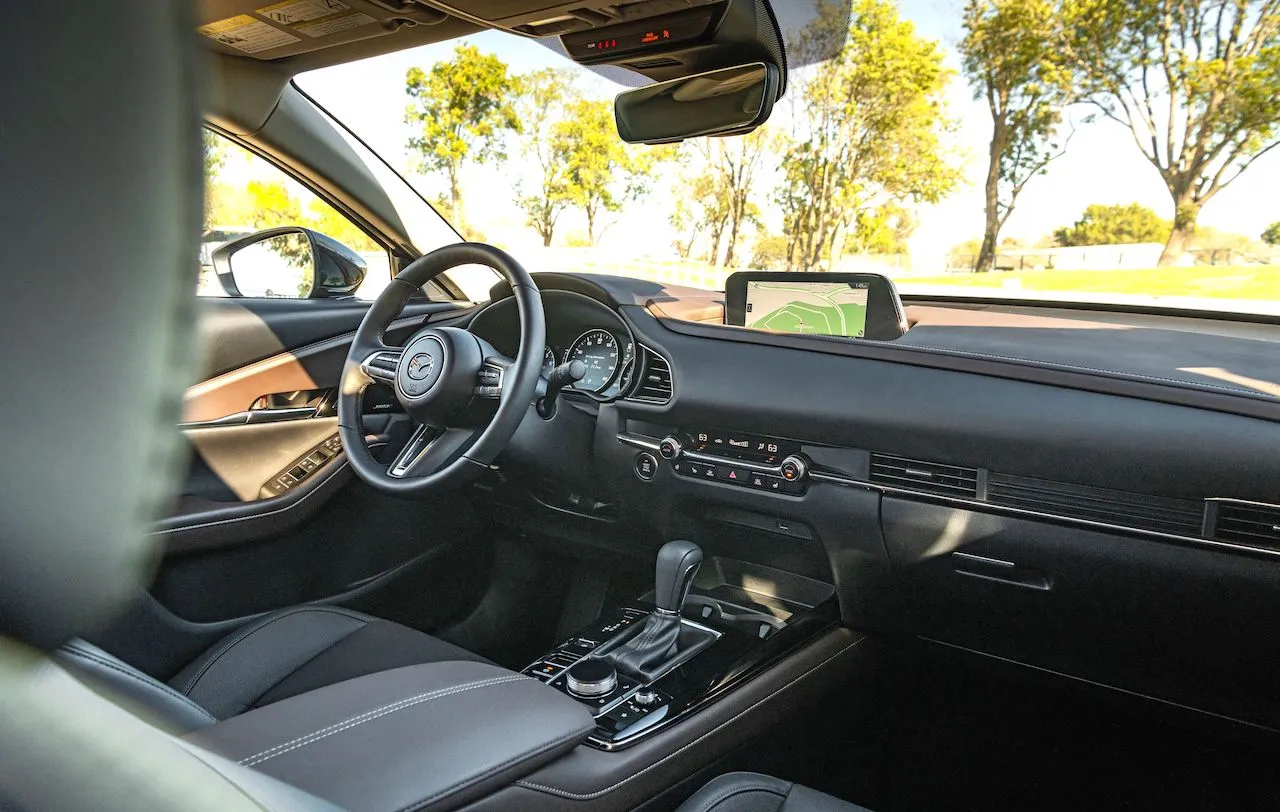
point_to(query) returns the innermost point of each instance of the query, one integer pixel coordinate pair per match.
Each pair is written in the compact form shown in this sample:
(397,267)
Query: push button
(545,670)
(731,473)
(646,466)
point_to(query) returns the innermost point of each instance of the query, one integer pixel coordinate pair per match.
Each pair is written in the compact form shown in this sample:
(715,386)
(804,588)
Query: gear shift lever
(678,563)
(658,641)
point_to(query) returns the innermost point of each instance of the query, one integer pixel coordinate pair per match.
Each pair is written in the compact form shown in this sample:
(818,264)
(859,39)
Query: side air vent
(928,477)
(1096,504)
(1252,523)
(655,382)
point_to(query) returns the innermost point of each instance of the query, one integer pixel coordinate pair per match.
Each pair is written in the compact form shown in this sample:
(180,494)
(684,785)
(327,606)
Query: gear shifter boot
(656,645)
(658,642)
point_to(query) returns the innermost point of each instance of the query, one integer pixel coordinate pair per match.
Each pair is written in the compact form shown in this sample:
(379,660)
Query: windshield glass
(1115,151)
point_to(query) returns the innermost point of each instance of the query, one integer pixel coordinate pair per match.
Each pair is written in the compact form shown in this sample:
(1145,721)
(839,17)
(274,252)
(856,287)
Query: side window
(244,194)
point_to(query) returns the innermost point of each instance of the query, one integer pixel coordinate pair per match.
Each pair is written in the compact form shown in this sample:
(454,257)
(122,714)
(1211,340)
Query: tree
(769,252)
(1195,84)
(1271,234)
(543,96)
(1114,225)
(215,157)
(600,172)
(871,122)
(461,110)
(1012,57)
(729,175)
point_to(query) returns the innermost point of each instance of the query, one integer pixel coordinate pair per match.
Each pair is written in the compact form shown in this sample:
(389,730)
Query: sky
(1102,164)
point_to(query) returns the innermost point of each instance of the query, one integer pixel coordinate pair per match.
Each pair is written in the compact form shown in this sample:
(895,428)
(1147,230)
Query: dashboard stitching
(581,796)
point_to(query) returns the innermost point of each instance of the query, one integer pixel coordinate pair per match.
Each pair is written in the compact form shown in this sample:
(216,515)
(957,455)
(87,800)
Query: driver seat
(283,654)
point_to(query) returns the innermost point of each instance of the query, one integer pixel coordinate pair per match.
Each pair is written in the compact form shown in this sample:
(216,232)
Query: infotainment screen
(829,304)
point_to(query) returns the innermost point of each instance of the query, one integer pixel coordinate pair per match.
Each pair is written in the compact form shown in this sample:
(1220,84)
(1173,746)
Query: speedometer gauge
(598,349)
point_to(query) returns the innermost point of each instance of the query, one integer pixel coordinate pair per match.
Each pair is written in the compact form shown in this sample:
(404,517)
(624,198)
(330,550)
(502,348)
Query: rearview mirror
(288,263)
(720,102)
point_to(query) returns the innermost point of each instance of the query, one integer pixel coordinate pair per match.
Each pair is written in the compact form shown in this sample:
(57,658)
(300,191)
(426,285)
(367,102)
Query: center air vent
(927,477)
(655,382)
(1252,523)
(1096,504)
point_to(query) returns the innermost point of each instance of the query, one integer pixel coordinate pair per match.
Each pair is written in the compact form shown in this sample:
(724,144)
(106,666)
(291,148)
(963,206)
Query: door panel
(236,545)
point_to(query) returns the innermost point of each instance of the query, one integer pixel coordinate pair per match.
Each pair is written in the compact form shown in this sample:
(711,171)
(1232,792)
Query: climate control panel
(747,460)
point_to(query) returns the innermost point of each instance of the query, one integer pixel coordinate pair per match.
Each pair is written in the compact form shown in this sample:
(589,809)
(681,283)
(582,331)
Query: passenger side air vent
(928,477)
(1252,523)
(655,383)
(1096,504)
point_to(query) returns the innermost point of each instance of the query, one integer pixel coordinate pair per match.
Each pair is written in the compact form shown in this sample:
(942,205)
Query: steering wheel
(446,378)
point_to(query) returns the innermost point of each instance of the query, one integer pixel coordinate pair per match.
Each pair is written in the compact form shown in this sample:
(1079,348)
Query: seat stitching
(514,760)
(587,796)
(369,716)
(739,789)
(155,686)
(259,626)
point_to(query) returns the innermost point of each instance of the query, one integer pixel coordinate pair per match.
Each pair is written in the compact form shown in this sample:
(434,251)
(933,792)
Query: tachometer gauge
(548,361)
(598,349)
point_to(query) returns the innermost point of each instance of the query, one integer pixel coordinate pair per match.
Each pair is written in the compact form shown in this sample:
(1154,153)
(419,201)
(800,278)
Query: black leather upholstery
(278,656)
(752,792)
(300,649)
(151,698)
(423,737)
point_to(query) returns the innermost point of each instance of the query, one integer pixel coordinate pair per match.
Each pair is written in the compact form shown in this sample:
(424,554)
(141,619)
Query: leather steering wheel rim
(450,364)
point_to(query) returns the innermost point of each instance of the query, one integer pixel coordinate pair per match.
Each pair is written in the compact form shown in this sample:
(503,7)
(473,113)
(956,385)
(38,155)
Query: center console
(704,630)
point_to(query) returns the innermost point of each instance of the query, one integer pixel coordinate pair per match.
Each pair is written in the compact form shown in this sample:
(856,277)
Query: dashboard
(1077,492)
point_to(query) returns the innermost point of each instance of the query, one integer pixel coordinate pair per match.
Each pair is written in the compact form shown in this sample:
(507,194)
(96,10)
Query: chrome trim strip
(982,559)
(989,507)
(413,451)
(636,441)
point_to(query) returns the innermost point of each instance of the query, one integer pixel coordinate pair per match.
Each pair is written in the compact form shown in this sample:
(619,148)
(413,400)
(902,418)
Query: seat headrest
(99,229)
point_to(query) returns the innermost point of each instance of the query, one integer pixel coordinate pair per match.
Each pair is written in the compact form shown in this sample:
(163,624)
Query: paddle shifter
(658,642)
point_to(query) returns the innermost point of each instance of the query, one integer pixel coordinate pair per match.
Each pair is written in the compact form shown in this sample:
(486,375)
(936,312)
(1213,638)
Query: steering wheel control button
(646,466)
(669,448)
(591,678)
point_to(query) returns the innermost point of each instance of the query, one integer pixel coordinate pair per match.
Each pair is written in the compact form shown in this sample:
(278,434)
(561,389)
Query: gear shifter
(658,641)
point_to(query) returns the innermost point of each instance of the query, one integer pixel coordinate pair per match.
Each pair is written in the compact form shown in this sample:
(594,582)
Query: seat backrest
(99,225)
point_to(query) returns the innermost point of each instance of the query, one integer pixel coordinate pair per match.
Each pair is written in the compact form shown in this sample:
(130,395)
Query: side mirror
(288,263)
(729,101)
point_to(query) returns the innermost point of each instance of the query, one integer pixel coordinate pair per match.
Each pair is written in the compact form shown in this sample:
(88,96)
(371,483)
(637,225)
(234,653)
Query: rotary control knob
(646,697)
(793,468)
(669,448)
(591,678)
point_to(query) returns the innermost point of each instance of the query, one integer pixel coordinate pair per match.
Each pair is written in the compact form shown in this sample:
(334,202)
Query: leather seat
(753,792)
(281,655)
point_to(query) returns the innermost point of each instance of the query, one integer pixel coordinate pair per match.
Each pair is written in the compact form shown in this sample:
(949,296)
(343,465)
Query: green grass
(1215,282)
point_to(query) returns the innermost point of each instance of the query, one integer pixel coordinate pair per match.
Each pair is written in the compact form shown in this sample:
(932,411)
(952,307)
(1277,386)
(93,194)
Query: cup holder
(757,624)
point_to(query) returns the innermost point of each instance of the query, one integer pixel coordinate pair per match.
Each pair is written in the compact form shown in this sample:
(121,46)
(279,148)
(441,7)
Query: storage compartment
(1182,623)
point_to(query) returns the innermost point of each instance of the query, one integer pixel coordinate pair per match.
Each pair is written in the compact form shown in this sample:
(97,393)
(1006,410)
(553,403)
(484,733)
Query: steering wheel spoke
(381,365)
(492,375)
(428,450)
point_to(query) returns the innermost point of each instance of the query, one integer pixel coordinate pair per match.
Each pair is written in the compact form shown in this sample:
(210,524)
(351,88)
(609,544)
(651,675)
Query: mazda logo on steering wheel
(420,366)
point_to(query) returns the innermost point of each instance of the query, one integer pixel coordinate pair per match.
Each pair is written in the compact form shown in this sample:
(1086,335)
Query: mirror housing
(729,101)
(305,264)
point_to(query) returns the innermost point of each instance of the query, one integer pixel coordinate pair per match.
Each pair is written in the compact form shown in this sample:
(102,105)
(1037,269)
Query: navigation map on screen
(819,308)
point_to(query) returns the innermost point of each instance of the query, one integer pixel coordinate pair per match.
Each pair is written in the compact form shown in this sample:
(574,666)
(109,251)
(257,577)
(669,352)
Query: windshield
(1114,151)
